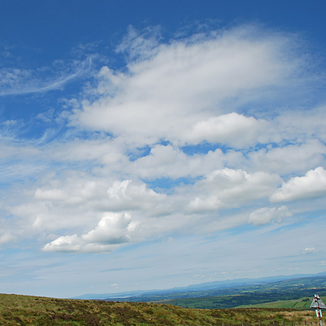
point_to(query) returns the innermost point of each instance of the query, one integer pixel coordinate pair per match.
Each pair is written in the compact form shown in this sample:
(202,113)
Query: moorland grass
(31,310)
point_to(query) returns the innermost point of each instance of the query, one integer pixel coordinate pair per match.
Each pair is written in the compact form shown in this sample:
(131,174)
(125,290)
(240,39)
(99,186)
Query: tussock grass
(30,310)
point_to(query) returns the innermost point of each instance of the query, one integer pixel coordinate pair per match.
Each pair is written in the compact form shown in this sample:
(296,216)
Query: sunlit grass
(29,310)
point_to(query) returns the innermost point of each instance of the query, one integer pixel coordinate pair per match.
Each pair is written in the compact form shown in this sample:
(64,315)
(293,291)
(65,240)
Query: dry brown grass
(29,310)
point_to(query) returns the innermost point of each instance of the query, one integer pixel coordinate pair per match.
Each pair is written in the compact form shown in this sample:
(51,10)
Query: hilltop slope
(29,310)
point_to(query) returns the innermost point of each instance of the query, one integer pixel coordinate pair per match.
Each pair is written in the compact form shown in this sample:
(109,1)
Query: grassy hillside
(29,310)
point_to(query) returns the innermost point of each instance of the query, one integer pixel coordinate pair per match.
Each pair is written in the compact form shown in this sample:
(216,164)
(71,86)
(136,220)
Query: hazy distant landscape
(292,292)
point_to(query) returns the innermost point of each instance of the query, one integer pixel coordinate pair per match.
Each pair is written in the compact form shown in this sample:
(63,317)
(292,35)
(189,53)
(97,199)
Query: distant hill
(30,310)
(294,293)
(235,294)
(218,288)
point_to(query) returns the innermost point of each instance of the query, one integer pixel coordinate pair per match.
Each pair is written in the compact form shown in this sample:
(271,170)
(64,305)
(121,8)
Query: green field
(29,310)
(243,301)
(303,303)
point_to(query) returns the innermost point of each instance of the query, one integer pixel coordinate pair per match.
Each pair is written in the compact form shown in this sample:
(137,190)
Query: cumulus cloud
(73,191)
(288,158)
(233,129)
(50,194)
(287,126)
(181,88)
(64,243)
(91,150)
(80,199)
(227,188)
(265,215)
(313,184)
(125,196)
(167,161)
(114,229)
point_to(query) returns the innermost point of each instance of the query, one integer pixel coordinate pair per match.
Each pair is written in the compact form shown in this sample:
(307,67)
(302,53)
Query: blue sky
(154,144)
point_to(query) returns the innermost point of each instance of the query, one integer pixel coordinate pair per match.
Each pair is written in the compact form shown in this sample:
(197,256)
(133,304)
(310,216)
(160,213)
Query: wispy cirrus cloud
(20,81)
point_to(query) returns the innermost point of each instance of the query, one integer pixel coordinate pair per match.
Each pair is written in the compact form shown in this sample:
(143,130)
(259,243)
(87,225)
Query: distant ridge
(196,289)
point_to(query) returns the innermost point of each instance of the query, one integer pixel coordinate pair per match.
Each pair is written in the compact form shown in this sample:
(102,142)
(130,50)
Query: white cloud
(16,81)
(265,215)
(126,196)
(65,243)
(6,237)
(113,230)
(233,129)
(85,150)
(288,158)
(227,188)
(166,94)
(73,191)
(309,251)
(171,162)
(50,194)
(140,46)
(288,126)
(76,201)
(313,184)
